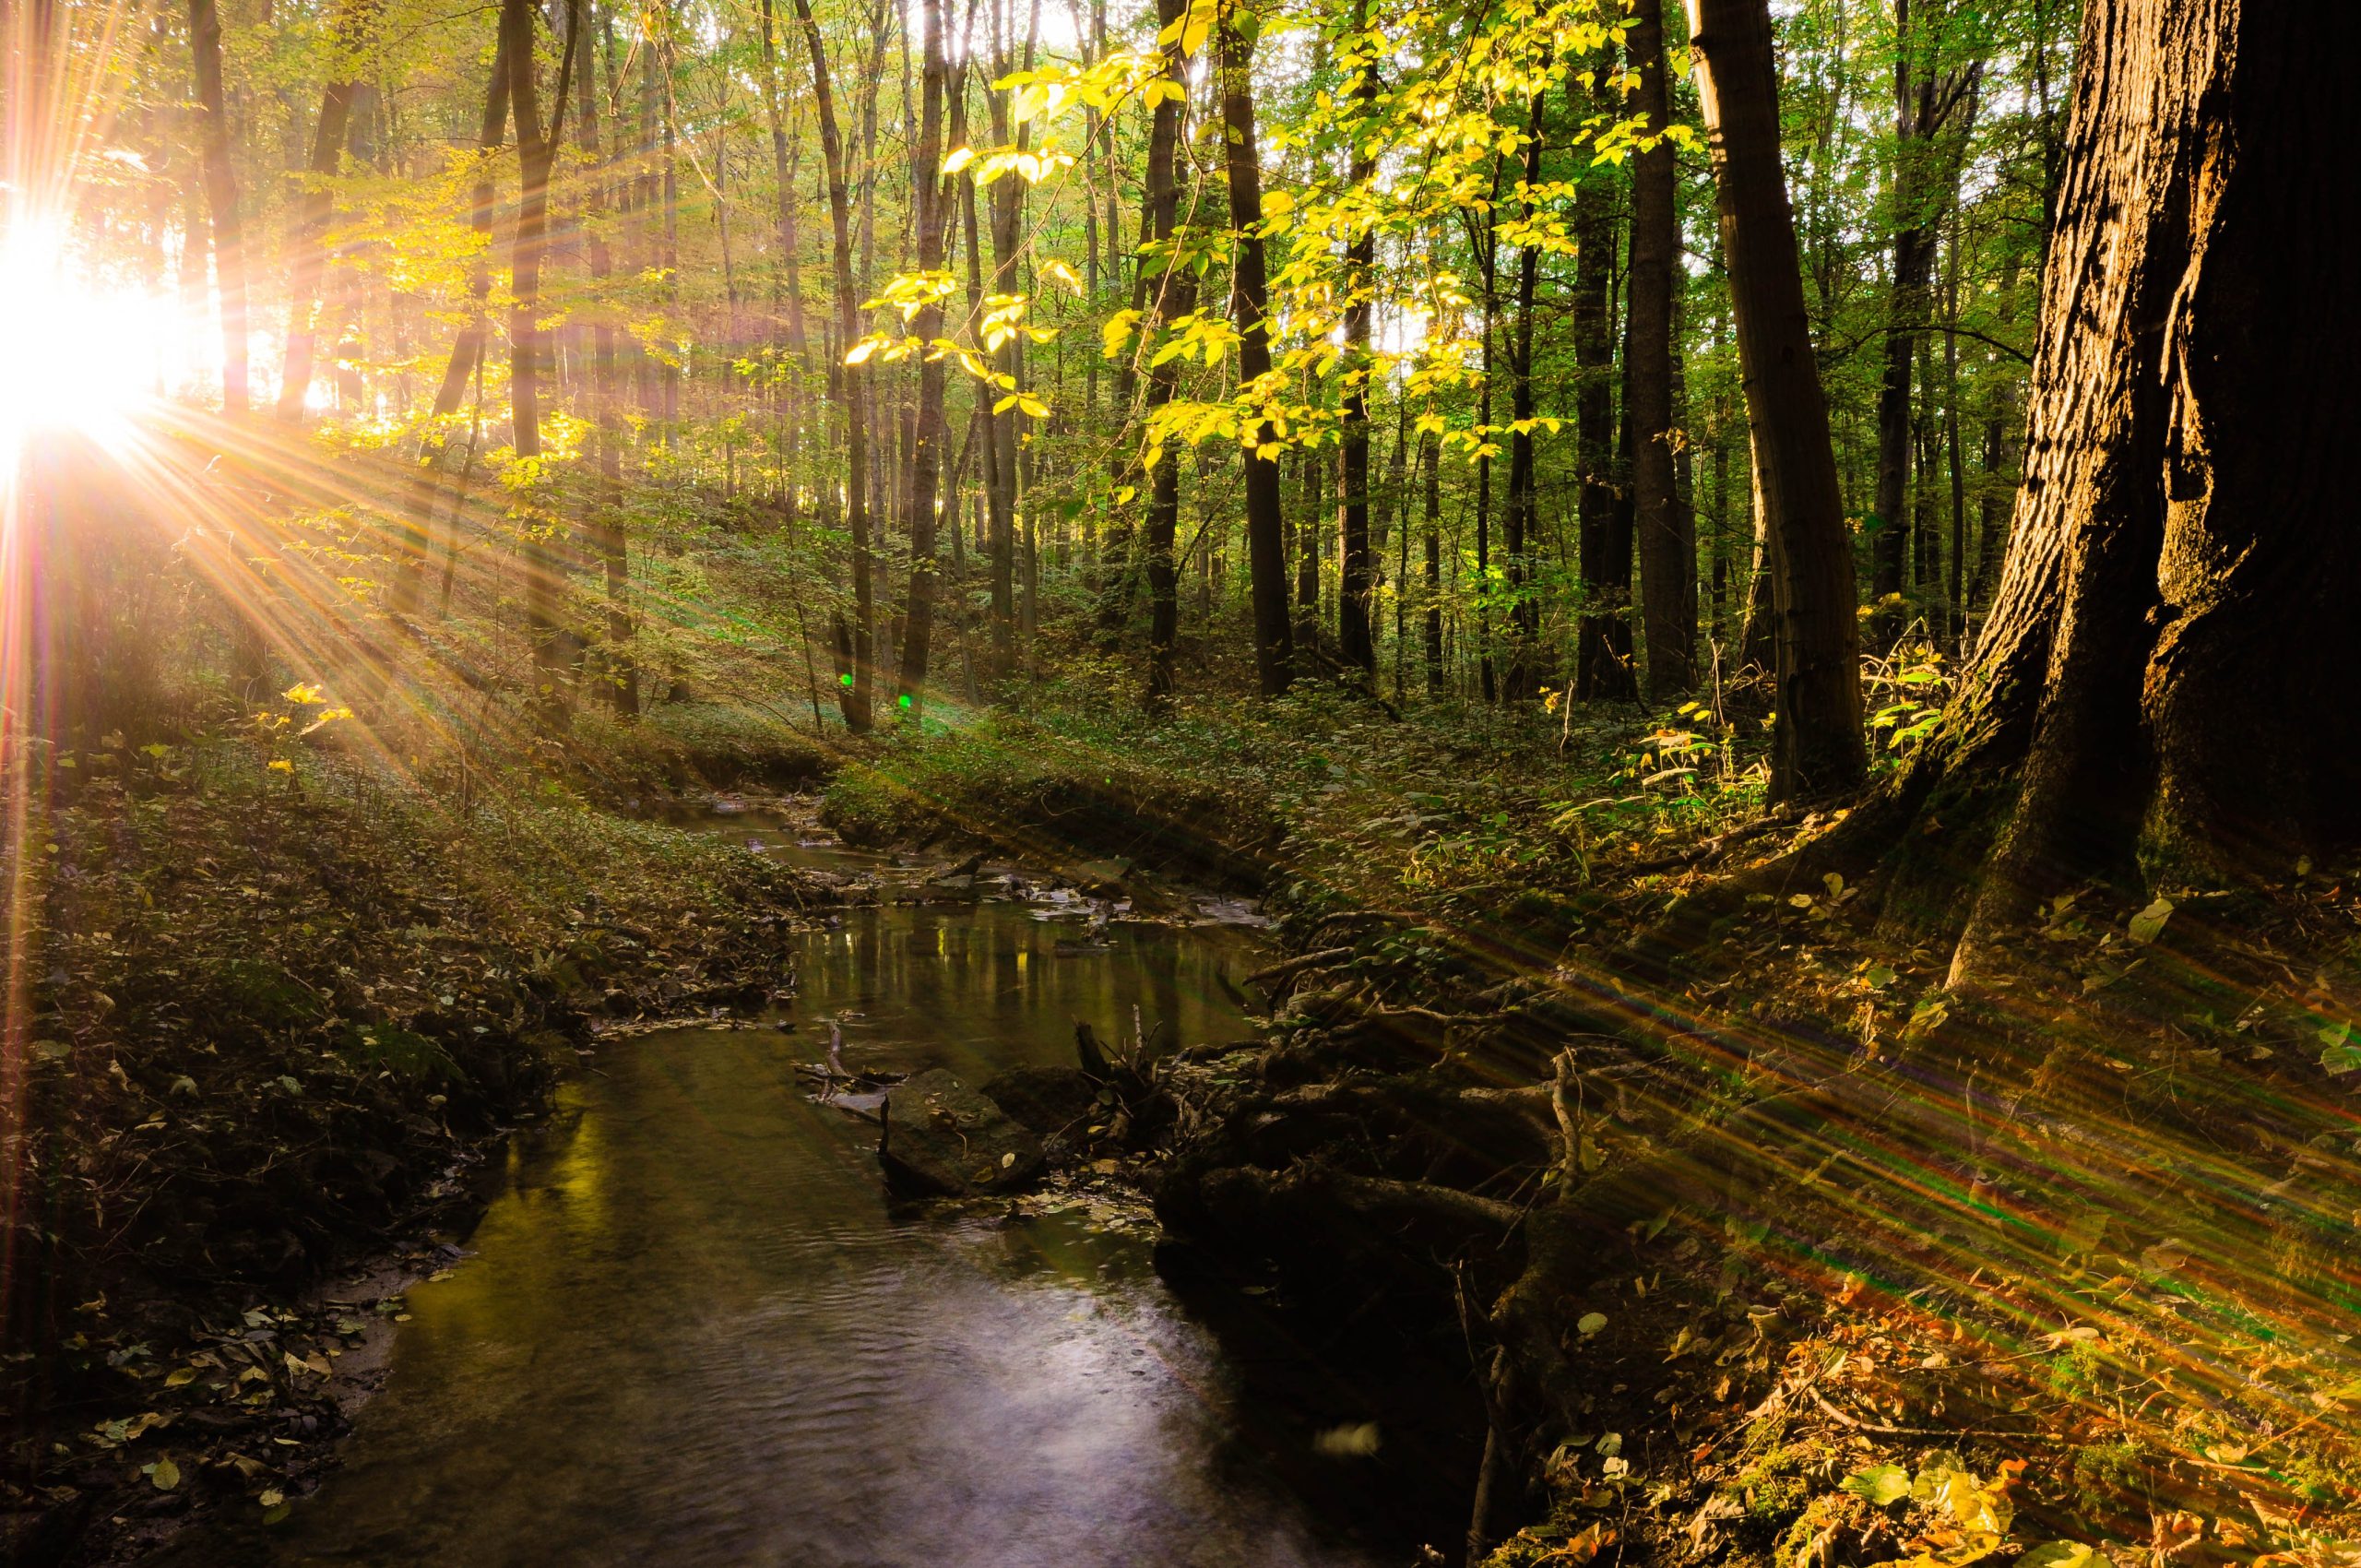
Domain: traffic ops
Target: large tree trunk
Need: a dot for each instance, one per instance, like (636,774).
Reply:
(2157,677)
(222,203)
(853,642)
(1430,459)
(1171,291)
(790,282)
(1266,554)
(1816,747)
(1665,602)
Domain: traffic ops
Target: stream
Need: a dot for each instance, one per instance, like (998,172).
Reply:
(691,1329)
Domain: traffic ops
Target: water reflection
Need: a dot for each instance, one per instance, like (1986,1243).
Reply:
(693,1332)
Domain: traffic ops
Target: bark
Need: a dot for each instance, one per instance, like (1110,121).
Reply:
(1817,746)
(1173,292)
(222,203)
(1307,564)
(853,642)
(1249,296)
(1356,641)
(1670,618)
(931,196)
(2158,675)
(790,252)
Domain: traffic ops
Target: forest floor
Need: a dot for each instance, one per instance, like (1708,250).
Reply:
(1771,1251)
(1794,1257)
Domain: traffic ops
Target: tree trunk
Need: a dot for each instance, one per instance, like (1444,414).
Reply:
(853,642)
(931,198)
(608,541)
(317,209)
(1266,557)
(1670,619)
(467,352)
(1355,644)
(1522,677)
(1603,656)
(1430,458)
(222,203)
(2158,675)
(536,153)
(1816,747)
(1172,292)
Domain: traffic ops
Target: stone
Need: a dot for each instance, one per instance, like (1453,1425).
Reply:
(944,1139)
(1046,1100)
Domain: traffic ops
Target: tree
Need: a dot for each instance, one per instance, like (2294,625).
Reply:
(1356,642)
(931,198)
(1818,748)
(221,201)
(1249,304)
(2155,682)
(1604,652)
(1169,290)
(319,208)
(1667,559)
(854,641)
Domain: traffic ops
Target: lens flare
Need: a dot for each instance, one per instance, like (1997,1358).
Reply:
(84,356)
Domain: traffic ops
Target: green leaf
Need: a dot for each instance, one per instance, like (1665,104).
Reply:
(164,1473)
(1880,1484)
(1590,1322)
(2149,923)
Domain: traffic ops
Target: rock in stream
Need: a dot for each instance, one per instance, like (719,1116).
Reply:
(944,1139)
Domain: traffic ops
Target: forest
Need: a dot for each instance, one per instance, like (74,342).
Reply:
(1497,782)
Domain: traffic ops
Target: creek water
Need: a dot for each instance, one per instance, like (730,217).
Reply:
(691,1328)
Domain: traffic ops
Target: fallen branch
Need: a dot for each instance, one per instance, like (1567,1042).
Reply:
(1298,963)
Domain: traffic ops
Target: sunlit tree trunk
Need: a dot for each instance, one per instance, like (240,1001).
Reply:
(1816,747)
(1250,309)
(2156,685)
(790,252)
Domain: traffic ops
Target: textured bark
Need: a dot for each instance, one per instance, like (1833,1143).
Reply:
(221,202)
(1431,457)
(2157,676)
(790,252)
(1818,747)
(1665,606)
(1250,307)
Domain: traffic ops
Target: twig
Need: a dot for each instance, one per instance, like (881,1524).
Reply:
(1298,963)
(1873,1428)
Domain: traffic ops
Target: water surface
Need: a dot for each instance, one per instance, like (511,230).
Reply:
(691,1329)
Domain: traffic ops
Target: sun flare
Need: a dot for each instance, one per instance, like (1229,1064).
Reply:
(84,354)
